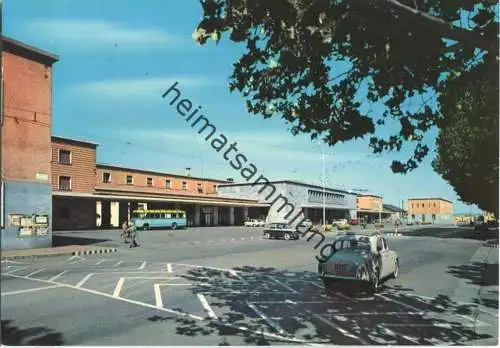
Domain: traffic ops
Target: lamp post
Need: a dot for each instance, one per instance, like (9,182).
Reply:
(324,187)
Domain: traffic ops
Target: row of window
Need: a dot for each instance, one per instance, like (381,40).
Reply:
(106,178)
(317,196)
(422,205)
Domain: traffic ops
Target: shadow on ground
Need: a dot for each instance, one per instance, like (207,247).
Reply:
(36,336)
(58,240)
(255,303)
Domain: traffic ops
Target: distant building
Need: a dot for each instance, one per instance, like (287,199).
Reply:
(395,213)
(370,207)
(434,210)
(26,122)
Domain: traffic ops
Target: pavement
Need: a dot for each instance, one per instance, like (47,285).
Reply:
(227,286)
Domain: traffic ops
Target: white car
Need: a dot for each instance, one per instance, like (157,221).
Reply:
(339,222)
(254,223)
(306,223)
(360,258)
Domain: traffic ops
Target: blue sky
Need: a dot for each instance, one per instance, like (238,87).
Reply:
(118,58)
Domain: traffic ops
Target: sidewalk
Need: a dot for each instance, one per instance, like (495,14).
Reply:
(56,251)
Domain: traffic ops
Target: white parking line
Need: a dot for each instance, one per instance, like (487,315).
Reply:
(118,263)
(81,282)
(57,276)
(30,290)
(283,284)
(207,307)
(118,288)
(338,328)
(143,265)
(98,263)
(158,299)
(36,272)
(392,333)
(17,270)
(264,317)
(169,267)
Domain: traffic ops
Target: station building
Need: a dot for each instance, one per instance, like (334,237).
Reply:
(25,138)
(89,195)
(293,201)
(434,210)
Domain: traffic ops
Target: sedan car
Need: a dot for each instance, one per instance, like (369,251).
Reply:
(279,230)
(364,259)
(254,223)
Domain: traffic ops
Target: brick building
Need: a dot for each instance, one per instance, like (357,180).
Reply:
(25,137)
(88,195)
(370,207)
(434,210)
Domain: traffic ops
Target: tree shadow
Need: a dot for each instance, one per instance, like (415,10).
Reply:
(267,306)
(477,273)
(36,336)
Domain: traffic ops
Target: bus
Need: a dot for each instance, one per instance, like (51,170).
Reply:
(162,218)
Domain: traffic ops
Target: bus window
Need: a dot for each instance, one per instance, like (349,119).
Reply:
(168,215)
(162,215)
(174,215)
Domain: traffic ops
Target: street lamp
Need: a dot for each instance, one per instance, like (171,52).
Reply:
(324,186)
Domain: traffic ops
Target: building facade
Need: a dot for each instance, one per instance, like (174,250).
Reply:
(370,207)
(88,195)
(25,138)
(433,210)
(293,201)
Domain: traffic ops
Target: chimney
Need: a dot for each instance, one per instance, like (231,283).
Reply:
(230,180)
(188,171)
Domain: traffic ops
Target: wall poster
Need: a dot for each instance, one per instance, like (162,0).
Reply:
(29,225)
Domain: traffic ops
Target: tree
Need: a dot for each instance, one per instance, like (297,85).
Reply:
(391,52)
(467,146)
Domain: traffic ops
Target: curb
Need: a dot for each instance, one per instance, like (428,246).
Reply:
(491,243)
(95,251)
(62,253)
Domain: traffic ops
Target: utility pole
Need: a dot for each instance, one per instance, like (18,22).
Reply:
(324,187)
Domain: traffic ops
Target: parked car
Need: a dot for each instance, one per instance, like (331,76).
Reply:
(339,222)
(343,227)
(354,222)
(359,258)
(254,223)
(280,230)
(306,223)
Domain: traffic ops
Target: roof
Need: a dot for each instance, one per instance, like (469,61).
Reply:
(368,195)
(144,171)
(30,52)
(432,198)
(393,208)
(290,182)
(74,141)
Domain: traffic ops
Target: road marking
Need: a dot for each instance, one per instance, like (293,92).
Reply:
(30,290)
(73,257)
(18,269)
(158,277)
(335,326)
(57,276)
(98,263)
(36,272)
(169,267)
(118,288)
(264,317)
(207,307)
(143,265)
(283,284)
(118,263)
(392,333)
(81,282)
(158,299)
(171,311)
(398,302)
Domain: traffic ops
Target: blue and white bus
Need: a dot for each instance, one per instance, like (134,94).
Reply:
(148,219)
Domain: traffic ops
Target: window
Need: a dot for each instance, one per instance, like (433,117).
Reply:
(434,205)
(380,245)
(106,178)
(174,216)
(214,187)
(65,183)
(64,156)
(168,216)
(130,180)
(184,185)
(200,188)
(168,184)
(150,181)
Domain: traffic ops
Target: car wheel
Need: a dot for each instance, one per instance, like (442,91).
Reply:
(174,226)
(145,227)
(396,270)
(267,236)
(287,236)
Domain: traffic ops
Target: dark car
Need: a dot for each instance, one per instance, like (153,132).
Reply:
(278,230)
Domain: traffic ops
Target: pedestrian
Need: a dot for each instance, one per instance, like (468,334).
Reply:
(133,236)
(125,232)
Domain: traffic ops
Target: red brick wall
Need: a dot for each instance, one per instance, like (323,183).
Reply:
(82,169)
(119,181)
(429,206)
(27,119)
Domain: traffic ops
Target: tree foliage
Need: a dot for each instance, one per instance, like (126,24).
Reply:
(394,50)
(467,146)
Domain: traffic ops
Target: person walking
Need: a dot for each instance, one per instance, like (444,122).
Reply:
(133,236)
(125,232)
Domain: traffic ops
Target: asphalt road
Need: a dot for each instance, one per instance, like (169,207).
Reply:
(227,286)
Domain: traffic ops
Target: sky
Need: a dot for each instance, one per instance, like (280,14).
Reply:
(116,59)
